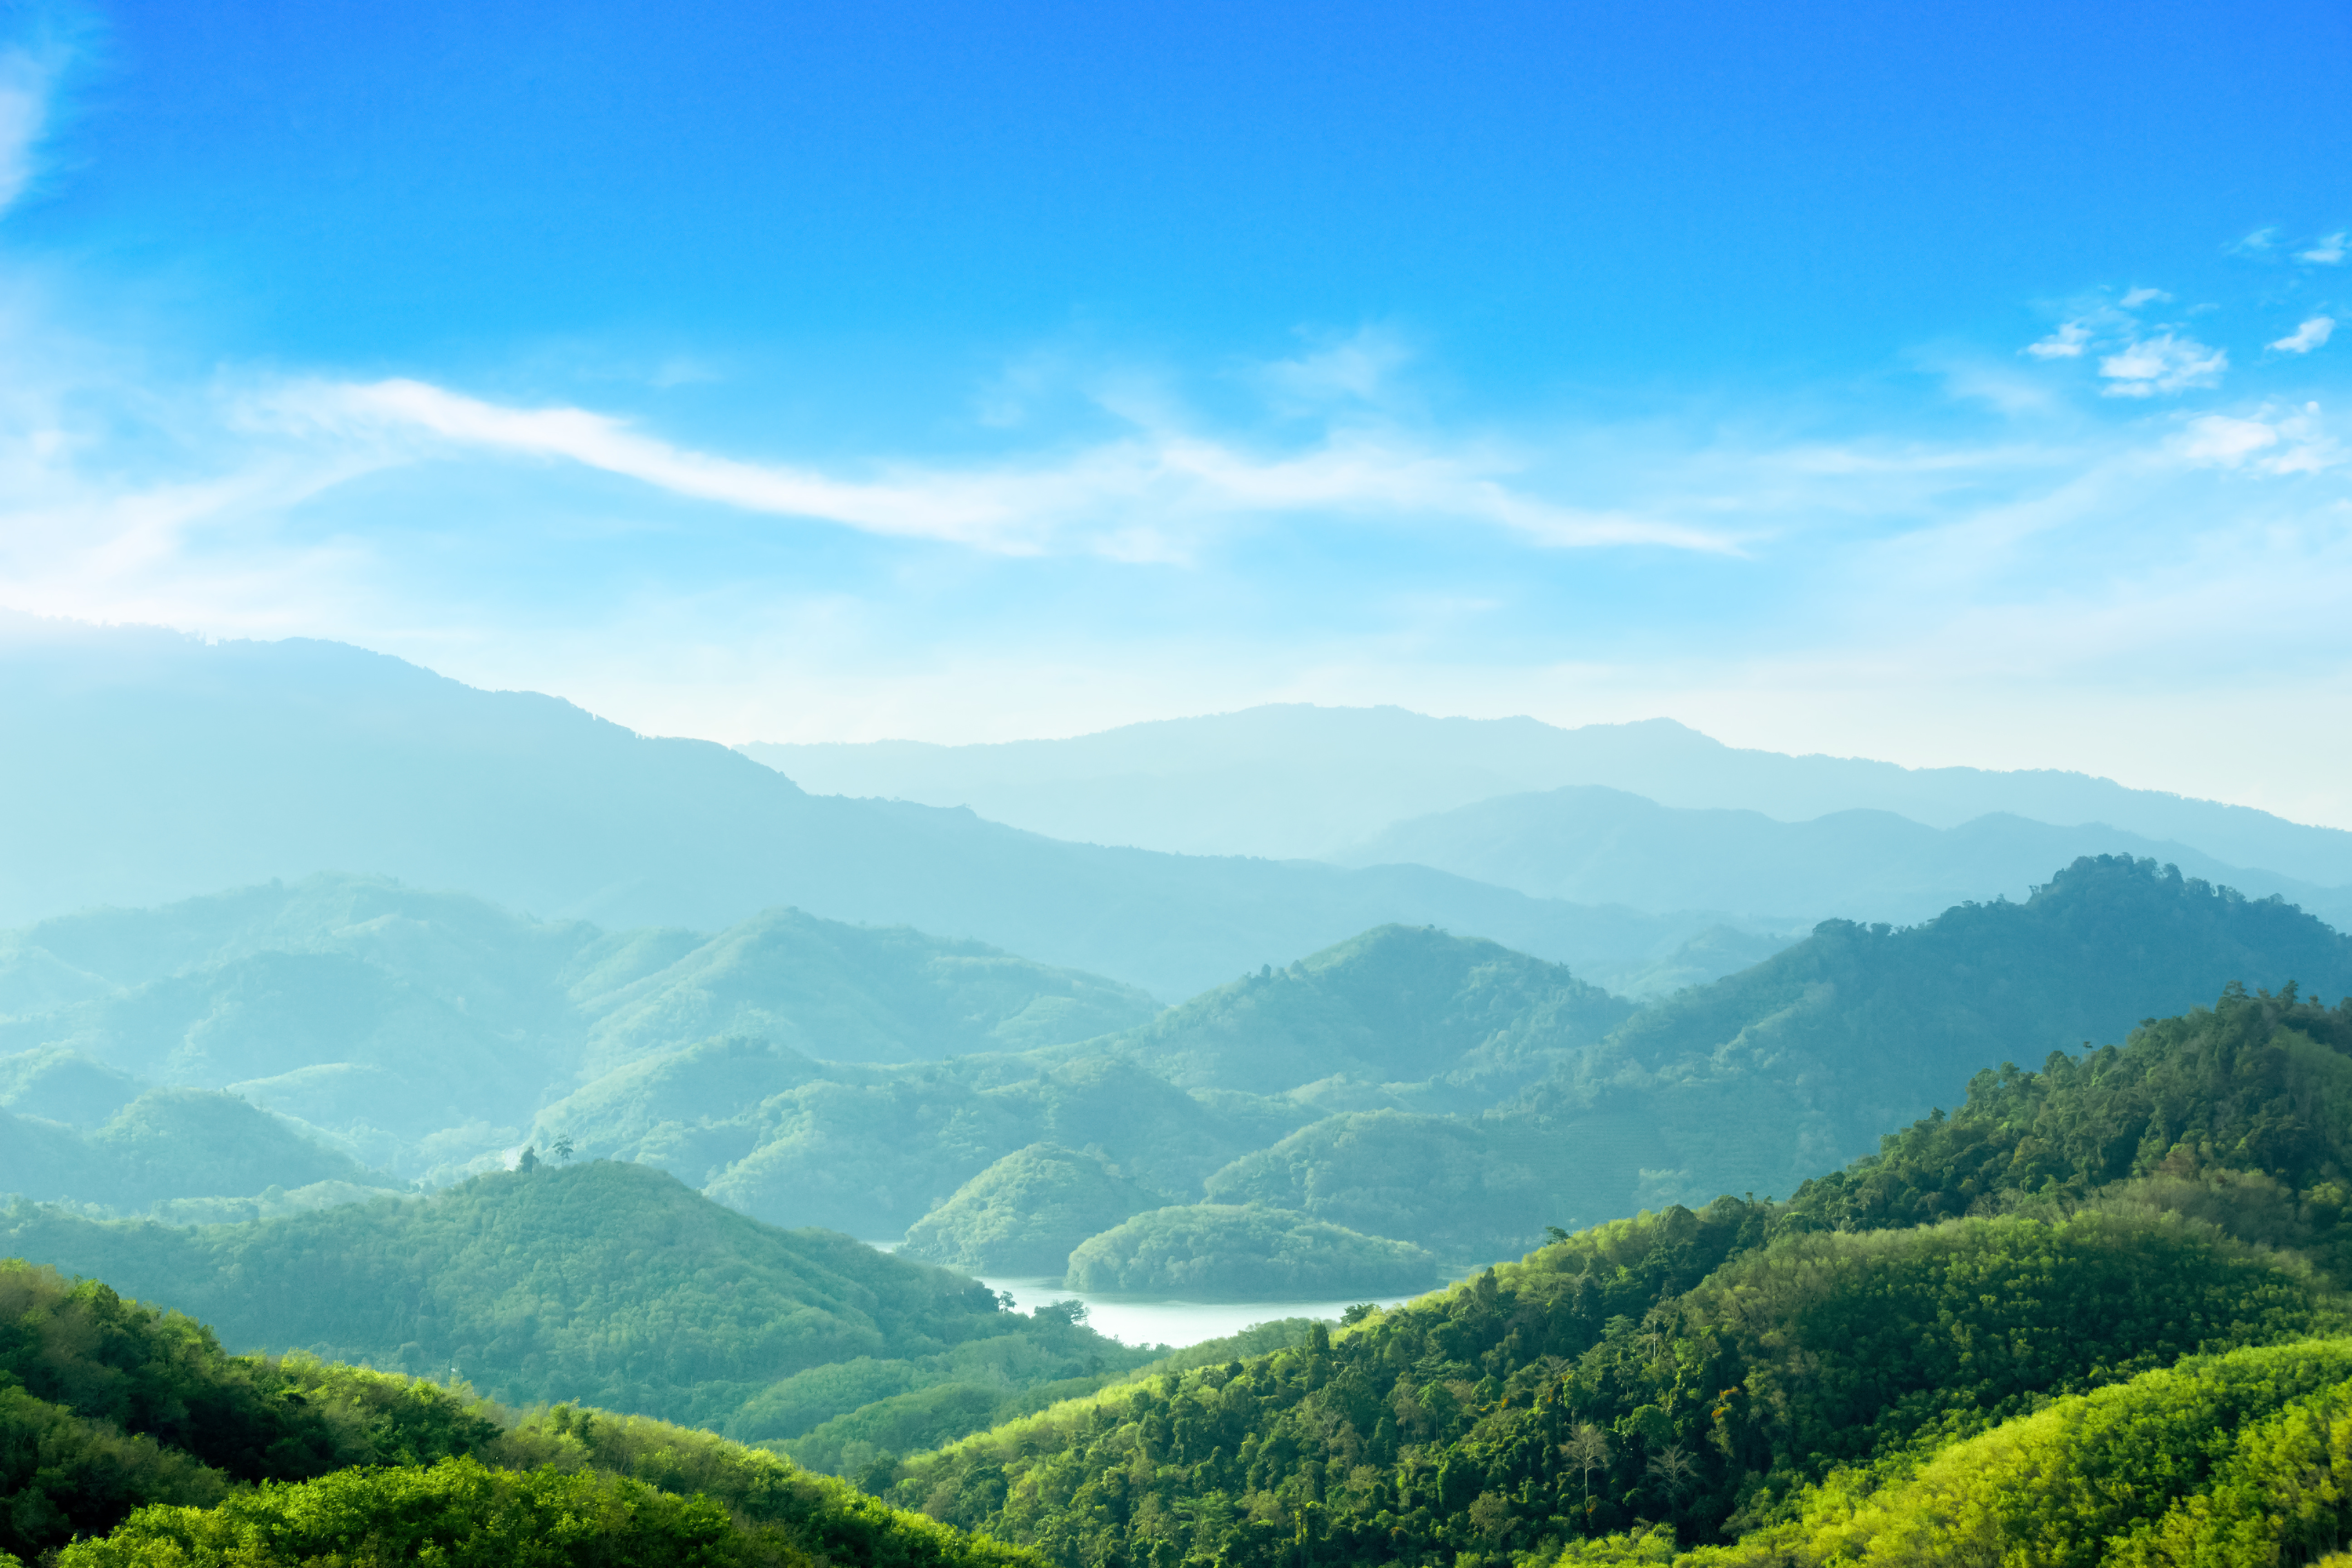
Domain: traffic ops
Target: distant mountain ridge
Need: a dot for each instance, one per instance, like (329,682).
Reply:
(1297,779)
(1589,843)
(160,767)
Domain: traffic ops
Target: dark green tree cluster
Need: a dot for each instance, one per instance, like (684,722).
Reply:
(117,1418)
(106,1404)
(2241,1112)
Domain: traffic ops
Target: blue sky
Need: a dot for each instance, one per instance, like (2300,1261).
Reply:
(1942,384)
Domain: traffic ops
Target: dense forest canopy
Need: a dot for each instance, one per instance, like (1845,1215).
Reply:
(605,1282)
(1696,1375)
(117,1418)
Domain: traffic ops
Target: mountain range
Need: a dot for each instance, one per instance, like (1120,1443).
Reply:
(1294,781)
(160,767)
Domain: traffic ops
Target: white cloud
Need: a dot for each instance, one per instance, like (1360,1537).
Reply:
(2218,438)
(2307,337)
(2270,442)
(1359,368)
(2328,250)
(2162,363)
(1145,496)
(2067,343)
(2138,297)
(26,79)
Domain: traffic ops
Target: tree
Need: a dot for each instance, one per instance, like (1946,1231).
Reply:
(528,1162)
(1588,1450)
(563,1148)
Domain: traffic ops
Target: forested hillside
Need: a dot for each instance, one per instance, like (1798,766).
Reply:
(1445,1020)
(1398,1015)
(606,1283)
(1733,1372)
(1760,1080)
(116,1417)
(1540,1100)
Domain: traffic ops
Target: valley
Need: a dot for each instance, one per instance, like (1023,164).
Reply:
(940,1219)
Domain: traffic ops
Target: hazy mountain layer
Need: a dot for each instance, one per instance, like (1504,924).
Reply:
(1754,1082)
(421,1029)
(161,767)
(1296,780)
(1790,1067)
(1593,844)
(1439,1016)
(1399,1014)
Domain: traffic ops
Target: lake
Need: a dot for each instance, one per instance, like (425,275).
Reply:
(1166,1320)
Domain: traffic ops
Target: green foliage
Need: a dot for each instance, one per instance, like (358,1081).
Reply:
(459,1512)
(1024,1213)
(2222,1461)
(106,1404)
(599,1281)
(1224,1250)
(823,1518)
(2241,1114)
(1671,1369)
(111,1409)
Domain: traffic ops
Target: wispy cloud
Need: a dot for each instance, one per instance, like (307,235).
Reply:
(2068,341)
(28,76)
(2165,363)
(2328,250)
(2312,334)
(2292,441)
(1145,496)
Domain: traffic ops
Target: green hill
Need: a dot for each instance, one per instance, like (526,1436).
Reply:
(1223,1251)
(1462,1186)
(1463,1018)
(605,1282)
(1024,1213)
(855,994)
(130,1429)
(1297,1090)
(1697,1376)
(166,1144)
(870,1149)
(1398,1014)
(1768,1076)
(420,1030)
(2219,1459)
